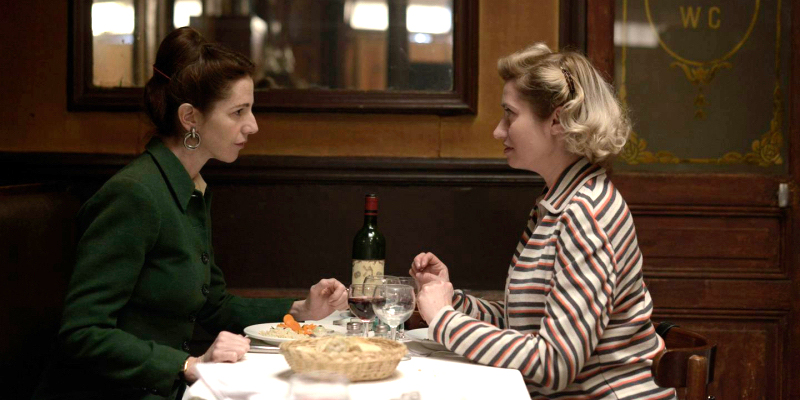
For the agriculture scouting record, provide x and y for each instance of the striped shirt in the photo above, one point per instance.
(576, 317)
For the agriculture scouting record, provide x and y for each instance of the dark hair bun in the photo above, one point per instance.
(191, 70)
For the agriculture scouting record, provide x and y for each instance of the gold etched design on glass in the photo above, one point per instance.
(764, 152)
(700, 73)
(635, 152)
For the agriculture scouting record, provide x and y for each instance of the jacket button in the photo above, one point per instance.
(204, 258)
(205, 290)
(185, 346)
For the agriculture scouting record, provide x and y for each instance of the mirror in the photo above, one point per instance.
(406, 56)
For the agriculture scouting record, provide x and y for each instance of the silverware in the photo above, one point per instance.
(264, 349)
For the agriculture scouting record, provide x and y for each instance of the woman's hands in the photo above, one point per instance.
(324, 298)
(432, 297)
(427, 268)
(227, 347)
(433, 279)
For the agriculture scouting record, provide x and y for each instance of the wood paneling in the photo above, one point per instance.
(37, 246)
(35, 117)
(750, 361)
(279, 224)
(793, 257)
(712, 259)
(720, 255)
(711, 245)
(718, 266)
(662, 191)
(506, 26)
(734, 294)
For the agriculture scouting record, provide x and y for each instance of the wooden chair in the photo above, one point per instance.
(687, 362)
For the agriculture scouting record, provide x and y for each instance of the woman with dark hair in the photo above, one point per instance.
(145, 270)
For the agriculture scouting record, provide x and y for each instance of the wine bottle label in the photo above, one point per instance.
(365, 268)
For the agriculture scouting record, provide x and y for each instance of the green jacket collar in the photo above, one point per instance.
(178, 180)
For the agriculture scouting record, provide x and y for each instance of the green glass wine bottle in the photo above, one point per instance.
(369, 246)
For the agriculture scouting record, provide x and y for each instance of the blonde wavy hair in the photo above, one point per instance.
(595, 124)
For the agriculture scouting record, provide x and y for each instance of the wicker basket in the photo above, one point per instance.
(357, 366)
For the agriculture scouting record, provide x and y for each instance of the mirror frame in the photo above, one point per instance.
(463, 99)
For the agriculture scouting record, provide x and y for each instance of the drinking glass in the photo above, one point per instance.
(380, 279)
(393, 304)
(405, 280)
(318, 385)
(360, 297)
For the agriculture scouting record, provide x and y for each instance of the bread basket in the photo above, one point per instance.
(303, 355)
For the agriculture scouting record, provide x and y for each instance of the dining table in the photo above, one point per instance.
(427, 372)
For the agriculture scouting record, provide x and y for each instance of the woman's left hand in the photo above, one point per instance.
(432, 297)
(324, 298)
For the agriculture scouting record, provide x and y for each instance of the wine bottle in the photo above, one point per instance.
(369, 246)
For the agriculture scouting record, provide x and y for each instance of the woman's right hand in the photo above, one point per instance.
(427, 268)
(227, 347)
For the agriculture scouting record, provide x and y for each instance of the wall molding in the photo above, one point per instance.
(256, 169)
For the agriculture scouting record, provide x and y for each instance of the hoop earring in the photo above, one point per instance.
(193, 135)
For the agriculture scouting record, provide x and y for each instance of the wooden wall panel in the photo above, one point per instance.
(749, 360)
(735, 294)
(708, 245)
(289, 236)
(281, 223)
(717, 260)
(34, 82)
(285, 222)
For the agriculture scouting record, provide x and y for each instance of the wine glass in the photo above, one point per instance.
(393, 304)
(405, 280)
(360, 297)
(380, 279)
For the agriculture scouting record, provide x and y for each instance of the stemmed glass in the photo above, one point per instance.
(393, 304)
(380, 279)
(405, 280)
(360, 297)
(390, 280)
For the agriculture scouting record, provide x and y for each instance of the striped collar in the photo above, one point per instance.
(570, 181)
(178, 180)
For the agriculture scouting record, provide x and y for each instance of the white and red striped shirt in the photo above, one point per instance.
(576, 315)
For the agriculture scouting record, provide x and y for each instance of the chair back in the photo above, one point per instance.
(687, 362)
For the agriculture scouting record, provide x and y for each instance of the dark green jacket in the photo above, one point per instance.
(144, 275)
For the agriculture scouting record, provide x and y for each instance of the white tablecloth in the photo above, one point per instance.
(266, 376)
(441, 375)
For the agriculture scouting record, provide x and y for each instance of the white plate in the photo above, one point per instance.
(254, 331)
(421, 336)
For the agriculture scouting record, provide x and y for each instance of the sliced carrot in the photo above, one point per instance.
(309, 329)
(288, 319)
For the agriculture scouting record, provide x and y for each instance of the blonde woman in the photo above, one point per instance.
(576, 315)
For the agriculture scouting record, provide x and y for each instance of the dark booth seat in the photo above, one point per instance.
(37, 242)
